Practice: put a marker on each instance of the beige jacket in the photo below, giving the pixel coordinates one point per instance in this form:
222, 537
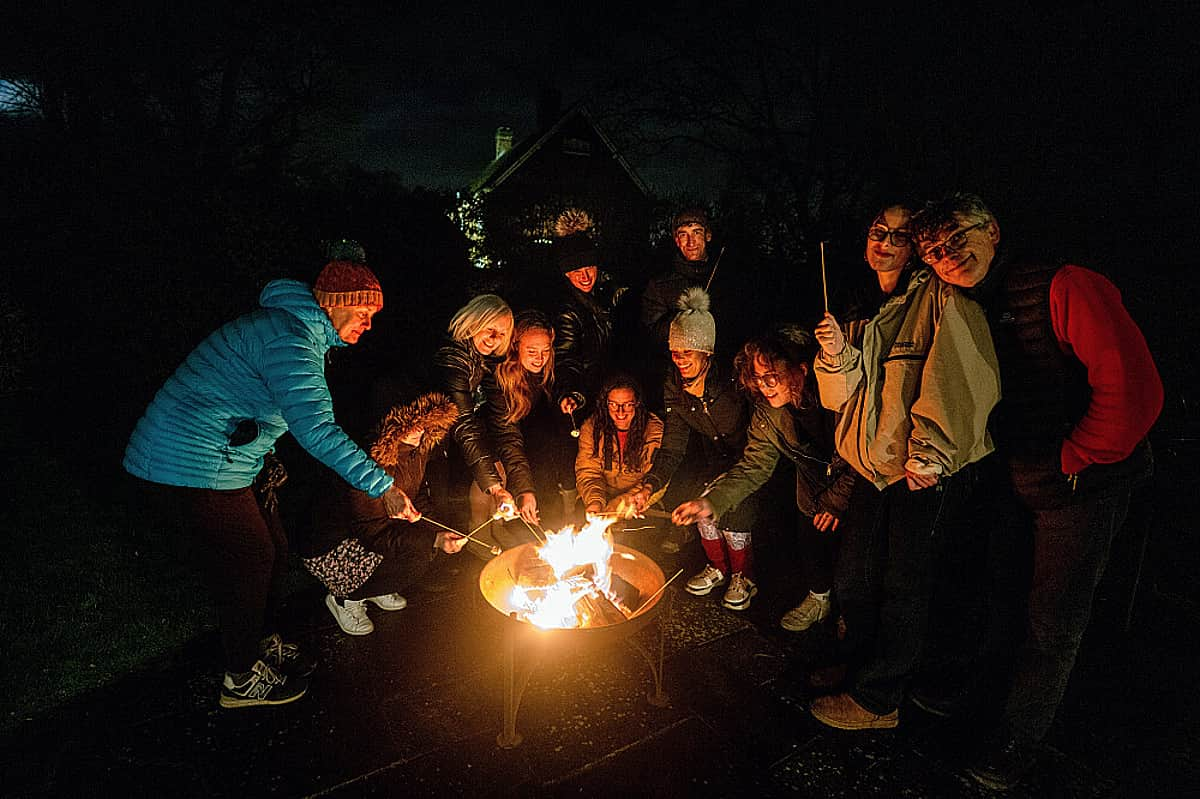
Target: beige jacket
918, 391
597, 484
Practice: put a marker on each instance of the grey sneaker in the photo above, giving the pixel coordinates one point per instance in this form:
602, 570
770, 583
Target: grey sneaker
285, 657
812, 610
704, 582
351, 616
739, 593
262, 685
388, 601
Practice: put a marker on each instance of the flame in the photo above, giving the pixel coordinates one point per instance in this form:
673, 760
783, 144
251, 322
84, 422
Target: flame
580, 562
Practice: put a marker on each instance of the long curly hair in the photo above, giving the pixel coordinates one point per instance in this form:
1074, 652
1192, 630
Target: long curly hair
605, 438
790, 351
519, 387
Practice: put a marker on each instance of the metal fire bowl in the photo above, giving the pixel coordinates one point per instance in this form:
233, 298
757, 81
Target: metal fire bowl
496, 583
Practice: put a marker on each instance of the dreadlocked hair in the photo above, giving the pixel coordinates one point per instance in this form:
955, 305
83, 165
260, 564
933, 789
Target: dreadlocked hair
520, 387
790, 351
606, 430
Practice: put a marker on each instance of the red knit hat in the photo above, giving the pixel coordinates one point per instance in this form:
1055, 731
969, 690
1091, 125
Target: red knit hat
345, 283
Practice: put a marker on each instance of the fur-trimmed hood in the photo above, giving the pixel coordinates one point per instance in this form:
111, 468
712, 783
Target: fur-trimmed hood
434, 412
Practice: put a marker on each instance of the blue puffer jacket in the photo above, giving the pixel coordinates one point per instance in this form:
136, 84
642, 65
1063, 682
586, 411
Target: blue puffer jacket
261, 375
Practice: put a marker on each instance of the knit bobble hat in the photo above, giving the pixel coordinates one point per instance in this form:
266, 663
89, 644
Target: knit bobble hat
576, 251
693, 328
347, 284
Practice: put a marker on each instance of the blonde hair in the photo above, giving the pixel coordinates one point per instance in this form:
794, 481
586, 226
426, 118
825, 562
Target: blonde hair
518, 387
476, 315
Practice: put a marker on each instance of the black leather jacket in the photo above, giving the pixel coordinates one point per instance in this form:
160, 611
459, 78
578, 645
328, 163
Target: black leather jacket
459, 370
583, 331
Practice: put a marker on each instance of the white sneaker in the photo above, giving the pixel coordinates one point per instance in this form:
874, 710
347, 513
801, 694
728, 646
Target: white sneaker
704, 582
812, 610
351, 616
739, 593
388, 601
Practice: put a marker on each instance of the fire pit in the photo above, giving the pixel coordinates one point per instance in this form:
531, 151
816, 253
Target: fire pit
599, 609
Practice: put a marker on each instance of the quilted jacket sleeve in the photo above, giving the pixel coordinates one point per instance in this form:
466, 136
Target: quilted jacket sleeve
295, 378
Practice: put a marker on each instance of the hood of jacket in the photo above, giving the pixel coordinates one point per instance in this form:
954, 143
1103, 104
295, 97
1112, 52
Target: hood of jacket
435, 413
297, 299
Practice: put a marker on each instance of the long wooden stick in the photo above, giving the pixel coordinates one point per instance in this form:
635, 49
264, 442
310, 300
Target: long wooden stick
824, 287
656, 593
495, 550
713, 273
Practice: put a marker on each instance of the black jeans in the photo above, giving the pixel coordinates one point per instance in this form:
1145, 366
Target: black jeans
1071, 546
915, 524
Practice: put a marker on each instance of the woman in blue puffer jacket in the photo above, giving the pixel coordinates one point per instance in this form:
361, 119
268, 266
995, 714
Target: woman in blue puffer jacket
208, 431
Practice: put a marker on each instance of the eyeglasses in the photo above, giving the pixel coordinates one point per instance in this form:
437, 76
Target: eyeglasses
622, 407
768, 380
952, 244
900, 238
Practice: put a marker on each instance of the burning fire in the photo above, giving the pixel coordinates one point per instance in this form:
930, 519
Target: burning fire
571, 585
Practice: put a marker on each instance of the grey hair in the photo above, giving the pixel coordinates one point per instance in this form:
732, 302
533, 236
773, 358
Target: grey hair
947, 212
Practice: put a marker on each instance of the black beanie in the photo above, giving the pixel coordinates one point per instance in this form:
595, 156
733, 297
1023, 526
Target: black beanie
576, 251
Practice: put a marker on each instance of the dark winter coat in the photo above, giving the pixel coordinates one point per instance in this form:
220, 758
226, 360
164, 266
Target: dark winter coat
583, 332
804, 436
661, 296
341, 512
538, 451
720, 418
459, 370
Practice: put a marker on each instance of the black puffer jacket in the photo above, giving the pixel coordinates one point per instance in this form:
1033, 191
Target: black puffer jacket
720, 417
459, 370
583, 332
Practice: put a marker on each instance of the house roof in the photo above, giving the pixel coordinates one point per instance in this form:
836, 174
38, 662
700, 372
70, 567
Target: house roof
502, 168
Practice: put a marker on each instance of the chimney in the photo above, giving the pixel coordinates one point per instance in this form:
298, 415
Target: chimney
504, 137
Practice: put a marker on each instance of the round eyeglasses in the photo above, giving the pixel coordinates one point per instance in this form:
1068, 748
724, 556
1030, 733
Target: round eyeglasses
899, 238
953, 243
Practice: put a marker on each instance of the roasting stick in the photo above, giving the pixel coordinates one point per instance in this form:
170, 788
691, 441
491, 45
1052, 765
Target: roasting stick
650, 598
495, 550
541, 539
824, 289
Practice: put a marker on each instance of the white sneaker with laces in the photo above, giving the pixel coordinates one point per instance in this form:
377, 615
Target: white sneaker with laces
739, 593
812, 610
704, 582
351, 616
388, 601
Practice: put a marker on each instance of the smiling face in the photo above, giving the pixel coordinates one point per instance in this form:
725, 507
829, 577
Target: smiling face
772, 383
692, 240
896, 247
534, 350
493, 336
962, 254
351, 321
622, 405
583, 278
690, 363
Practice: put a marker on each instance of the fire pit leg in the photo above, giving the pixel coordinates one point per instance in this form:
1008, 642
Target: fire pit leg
515, 681
659, 698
